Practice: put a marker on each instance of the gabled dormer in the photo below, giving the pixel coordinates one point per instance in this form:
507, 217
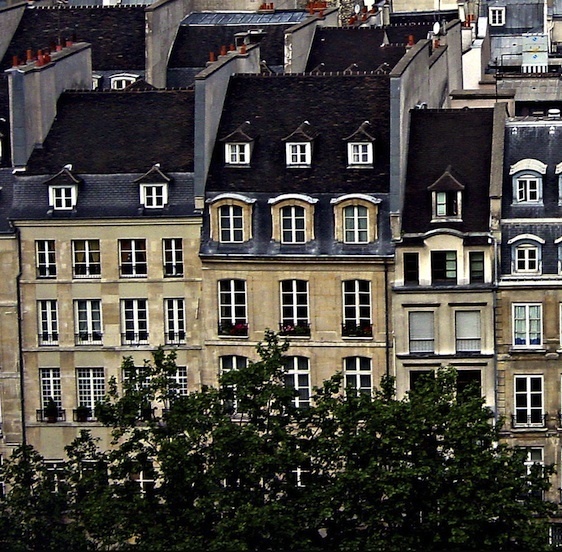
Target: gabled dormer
153, 188
63, 190
299, 145
446, 198
238, 147
360, 148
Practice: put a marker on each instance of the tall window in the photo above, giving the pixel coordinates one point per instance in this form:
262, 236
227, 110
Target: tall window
50, 387
154, 196
180, 379
88, 326
529, 401
86, 258
233, 316
421, 332
356, 224
132, 254
294, 308
45, 258
297, 377
175, 321
444, 267
226, 364
293, 224
411, 268
476, 267
91, 387
173, 257
134, 316
468, 332
231, 224
357, 320
527, 325
48, 322
357, 375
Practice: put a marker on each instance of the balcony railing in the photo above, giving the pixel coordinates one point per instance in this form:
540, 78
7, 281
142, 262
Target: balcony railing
86, 338
48, 339
537, 420
46, 416
295, 329
236, 329
134, 338
175, 338
83, 414
172, 270
353, 329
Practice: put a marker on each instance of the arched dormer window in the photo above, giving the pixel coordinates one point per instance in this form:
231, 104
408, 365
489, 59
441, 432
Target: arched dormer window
356, 218
120, 81
527, 177
298, 146
238, 146
292, 218
446, 198
231, 218
526, 254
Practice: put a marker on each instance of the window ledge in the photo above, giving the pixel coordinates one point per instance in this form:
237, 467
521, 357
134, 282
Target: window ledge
237, 166
299, 166
230, 337
357, 337
361, 166
446, 219
526, 350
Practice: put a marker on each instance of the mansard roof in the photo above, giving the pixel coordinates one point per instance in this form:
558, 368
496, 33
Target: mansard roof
275, 106
399, 33
449, 144
352, 49
6, 194
116, 33
117, 132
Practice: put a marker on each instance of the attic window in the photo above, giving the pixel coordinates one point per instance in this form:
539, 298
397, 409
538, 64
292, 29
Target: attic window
360, 147
446, 198
527, 179
62, 198
497, 16
238, 146
298, 146
122, 80
153, 188
237, 154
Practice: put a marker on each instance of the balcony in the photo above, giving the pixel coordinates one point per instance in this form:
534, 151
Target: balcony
533, 421
175, 338
172, 270
48, 339
45, 415
300, 329
83, 414
134, 338
354, 329
85, 338
238, 329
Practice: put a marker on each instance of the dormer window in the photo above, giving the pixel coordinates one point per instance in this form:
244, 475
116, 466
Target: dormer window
497, 16
292, 218
446, 198
63, 190
527, 176
526, 254
231, 218
298, 146
153, 188
355, 218
238, 146
360, 147
122, 80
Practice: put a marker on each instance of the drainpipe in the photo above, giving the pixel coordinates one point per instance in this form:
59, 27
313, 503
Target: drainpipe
386, 319
20, 337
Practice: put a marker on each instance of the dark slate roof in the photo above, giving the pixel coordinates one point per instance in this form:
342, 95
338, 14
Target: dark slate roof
461, 139
114, 132
261, 244
101, 197
352, 48
194, 43
116, 33
275, 106
400, 33
287, 17
6, 194
410, 18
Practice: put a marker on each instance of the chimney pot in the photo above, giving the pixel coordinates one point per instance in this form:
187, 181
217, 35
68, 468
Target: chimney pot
212, 56
223, 51
232, 48
243, 49
15, 61
29, 55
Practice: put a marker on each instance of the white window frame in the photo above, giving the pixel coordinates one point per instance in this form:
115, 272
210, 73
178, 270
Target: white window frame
47, 322
134, 322
421, 332
356, 224
360, 154
535, 456
154, 196
45, 259
231, 223
298, 154
496, 16
174, 310
468, 333
88, 325
528, 401
122, 80
172, 249
297, 377
528, 189
237, 153
233, 307
63, 197
525, 317
90, 266
527, 258
293, 224
294, 301
133, 258
180, 379
357, 308
228, 363
90, 388
51, 388
357, 373
447, 205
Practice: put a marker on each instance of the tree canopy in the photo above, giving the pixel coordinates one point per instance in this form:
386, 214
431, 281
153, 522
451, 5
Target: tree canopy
241, 468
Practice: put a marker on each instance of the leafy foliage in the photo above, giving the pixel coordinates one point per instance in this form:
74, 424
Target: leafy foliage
351, 473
